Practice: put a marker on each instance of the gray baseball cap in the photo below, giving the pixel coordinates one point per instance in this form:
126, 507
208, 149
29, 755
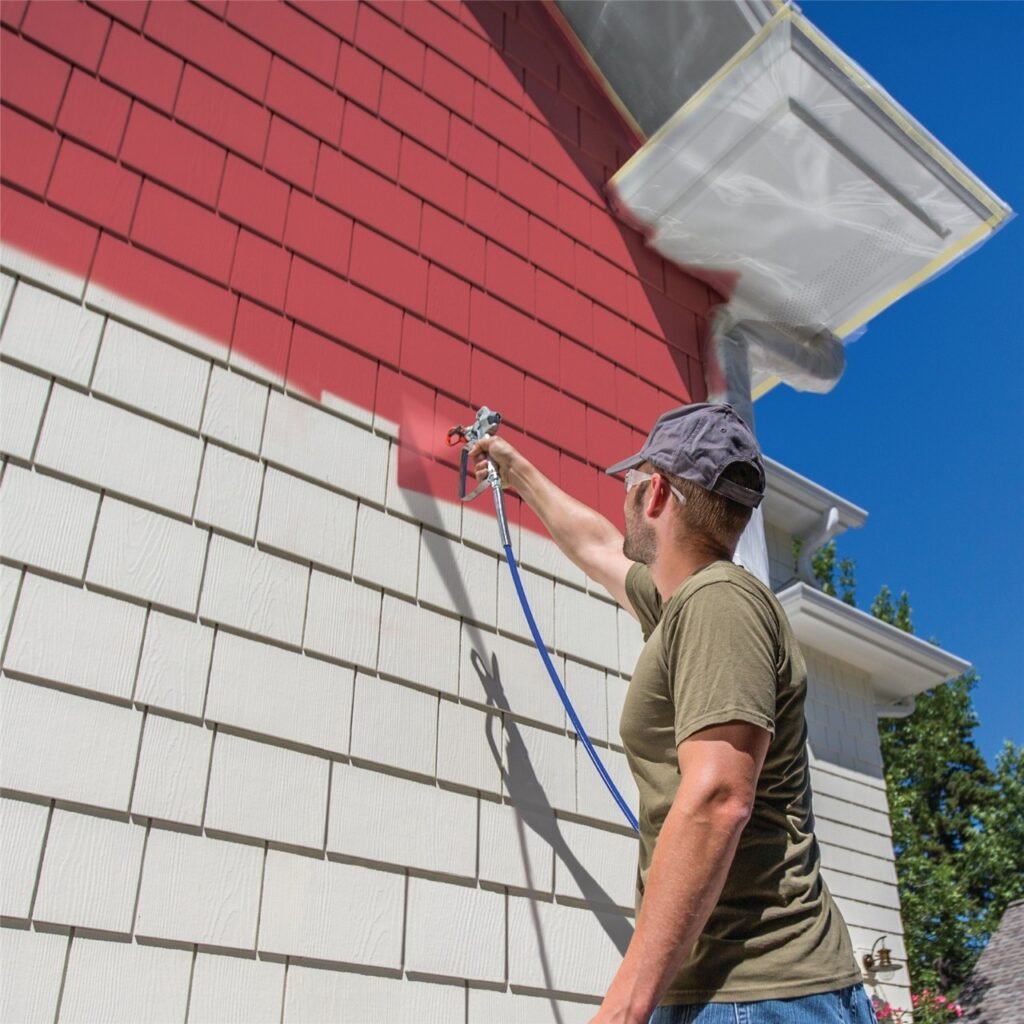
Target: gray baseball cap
699, 442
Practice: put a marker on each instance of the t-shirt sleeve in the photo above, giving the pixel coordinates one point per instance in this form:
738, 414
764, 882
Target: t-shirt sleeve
721, 649
643, 596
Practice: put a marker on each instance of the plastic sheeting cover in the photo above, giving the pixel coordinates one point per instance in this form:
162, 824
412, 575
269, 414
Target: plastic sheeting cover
654, 55
796, 179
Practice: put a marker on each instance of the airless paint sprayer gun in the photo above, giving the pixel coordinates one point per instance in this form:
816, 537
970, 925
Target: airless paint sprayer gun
485, 424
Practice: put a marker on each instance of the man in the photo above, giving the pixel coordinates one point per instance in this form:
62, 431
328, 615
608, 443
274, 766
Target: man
733, 920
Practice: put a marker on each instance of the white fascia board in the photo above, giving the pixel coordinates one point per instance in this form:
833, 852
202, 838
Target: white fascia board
899, 664
797, 505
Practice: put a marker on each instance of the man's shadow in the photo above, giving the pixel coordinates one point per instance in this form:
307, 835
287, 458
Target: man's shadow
525, 792
532, 806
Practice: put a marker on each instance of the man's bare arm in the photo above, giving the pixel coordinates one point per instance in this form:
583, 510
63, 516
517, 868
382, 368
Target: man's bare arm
589, 540
695, 849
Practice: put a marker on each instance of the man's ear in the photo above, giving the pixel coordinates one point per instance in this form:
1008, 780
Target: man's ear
658, 494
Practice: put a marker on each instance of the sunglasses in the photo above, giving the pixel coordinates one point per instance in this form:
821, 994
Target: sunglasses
638, 476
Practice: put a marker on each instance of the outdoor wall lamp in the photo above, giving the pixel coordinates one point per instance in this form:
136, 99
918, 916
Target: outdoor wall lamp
879, 960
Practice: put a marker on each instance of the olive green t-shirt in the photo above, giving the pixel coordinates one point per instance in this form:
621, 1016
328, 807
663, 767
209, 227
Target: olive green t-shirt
721, 650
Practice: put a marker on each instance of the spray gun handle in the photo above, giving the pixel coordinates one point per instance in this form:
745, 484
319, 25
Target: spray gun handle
486, 423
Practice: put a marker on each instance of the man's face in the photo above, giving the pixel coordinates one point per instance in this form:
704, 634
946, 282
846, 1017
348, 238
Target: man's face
640, 543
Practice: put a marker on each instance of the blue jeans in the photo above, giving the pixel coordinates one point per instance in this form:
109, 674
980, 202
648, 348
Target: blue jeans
844, 1006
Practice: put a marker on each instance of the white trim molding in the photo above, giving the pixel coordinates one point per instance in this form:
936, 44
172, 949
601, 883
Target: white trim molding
899, 664
797, 504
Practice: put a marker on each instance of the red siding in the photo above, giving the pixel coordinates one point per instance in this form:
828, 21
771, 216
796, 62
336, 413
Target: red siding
408, 198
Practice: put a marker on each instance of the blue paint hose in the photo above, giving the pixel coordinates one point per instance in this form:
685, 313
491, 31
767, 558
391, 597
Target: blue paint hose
499, 507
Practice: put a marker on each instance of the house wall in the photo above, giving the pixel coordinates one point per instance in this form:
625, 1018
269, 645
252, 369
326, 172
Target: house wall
781, 560
275, 745
850, 803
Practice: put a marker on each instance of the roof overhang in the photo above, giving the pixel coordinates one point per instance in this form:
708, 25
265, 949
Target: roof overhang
794, 171
899, 664
798, 505
788, 179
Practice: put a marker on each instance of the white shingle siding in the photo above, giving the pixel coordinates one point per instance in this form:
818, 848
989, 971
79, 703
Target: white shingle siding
501, 672
7, 284
65, 635
174, 665
517, 846
616, 690
51, 334
458, 580
313, 996
197, 889
23, 826
526, 1008
51, 275
33, 968
322, 910
386, 551
539, 769
278, 693
418, 645
781, 556
343, 620
102, 445
21, 410
229, 988
324, 448
394, 726
68, 747
47, 523
304, 520
10, 581
455, 931
235, 410
370, 816
593, 798
267, 792
600, 869
133, 369
585, 628
469, 747
148, 556
90, 873
254, 591
120, 981
174, 766
587, 692
587, 954
229, 492
542, 555
631, 643
480, 528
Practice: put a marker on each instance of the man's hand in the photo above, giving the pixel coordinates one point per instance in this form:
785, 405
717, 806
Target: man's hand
498, 451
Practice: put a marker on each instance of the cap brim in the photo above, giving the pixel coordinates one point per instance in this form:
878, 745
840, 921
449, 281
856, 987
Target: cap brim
631, 463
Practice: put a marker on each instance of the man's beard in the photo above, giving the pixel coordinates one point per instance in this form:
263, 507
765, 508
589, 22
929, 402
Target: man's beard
640, 543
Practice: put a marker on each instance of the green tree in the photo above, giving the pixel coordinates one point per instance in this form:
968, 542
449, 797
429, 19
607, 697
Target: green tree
957, 824
826, 568
939, 789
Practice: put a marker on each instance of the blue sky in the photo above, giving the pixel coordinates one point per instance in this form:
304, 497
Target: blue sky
926, 428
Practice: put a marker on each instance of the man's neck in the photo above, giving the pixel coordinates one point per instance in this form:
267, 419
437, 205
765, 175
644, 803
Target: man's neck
676, 564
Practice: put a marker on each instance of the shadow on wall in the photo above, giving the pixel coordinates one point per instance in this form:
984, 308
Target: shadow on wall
526, 795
